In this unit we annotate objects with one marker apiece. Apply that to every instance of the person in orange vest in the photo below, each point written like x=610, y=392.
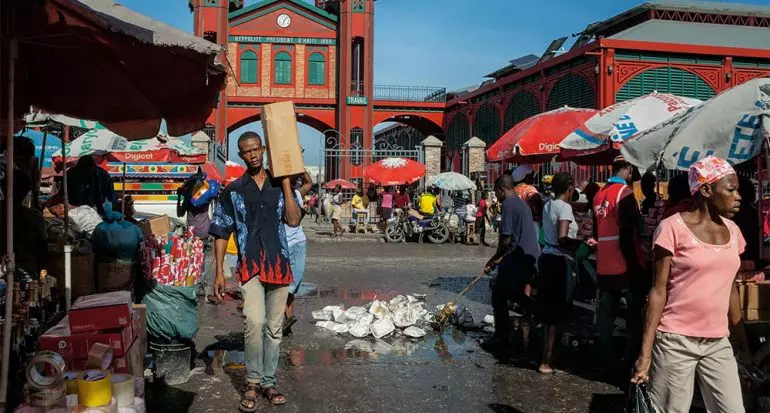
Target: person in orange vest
x=619, y=262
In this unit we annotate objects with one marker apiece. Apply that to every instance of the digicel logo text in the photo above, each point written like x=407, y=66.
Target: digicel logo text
x=139, y=156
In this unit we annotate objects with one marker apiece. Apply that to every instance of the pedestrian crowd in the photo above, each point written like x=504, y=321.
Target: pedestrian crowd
x=681, y=300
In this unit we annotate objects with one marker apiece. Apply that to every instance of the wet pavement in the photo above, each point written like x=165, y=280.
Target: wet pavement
x=442, y=372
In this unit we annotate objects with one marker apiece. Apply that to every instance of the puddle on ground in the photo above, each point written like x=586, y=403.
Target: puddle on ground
x=349, y=296
x=447, y=346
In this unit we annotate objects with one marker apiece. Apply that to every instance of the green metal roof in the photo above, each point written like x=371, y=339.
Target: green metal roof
x=704, y=34
x=713, y=7
x=299, y=3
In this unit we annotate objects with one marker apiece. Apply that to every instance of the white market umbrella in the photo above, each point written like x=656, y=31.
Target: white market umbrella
x=730, y=125
x=617, y=123
x=452, y=181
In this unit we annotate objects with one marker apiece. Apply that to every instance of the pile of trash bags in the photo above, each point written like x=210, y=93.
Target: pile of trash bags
x=405, y=314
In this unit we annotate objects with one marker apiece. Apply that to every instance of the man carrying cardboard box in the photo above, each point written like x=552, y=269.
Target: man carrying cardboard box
x=255, y=207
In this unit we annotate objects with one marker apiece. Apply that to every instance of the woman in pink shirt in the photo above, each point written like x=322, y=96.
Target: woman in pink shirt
x=694, y=300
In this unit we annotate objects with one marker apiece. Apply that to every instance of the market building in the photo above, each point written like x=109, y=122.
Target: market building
x=321, y=57
x=695, y=49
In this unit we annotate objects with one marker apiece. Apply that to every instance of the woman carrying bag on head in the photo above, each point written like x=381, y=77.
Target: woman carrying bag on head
x=694, y=301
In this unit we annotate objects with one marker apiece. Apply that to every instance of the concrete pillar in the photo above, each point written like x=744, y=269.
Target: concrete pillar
x=432, y=156
x=474, y=156
x=200, y=140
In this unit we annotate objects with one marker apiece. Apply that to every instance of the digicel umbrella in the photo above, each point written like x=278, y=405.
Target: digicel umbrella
x=233, y=171
x=536, y=139
x=600, y=137
x=732, y=125
x=108, y=147
x=394, y=171
x=341, y=182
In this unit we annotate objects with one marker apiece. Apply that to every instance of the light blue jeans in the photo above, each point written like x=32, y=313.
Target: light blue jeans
x=263, y=307
x=297, y=256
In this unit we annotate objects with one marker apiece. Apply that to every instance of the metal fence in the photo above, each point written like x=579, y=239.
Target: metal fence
x=401, y=93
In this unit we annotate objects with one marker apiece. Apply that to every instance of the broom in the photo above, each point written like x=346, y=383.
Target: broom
x=443, y=315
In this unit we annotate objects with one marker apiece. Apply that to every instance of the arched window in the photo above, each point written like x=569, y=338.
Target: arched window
x=282, y=75
x=316, y=69
x=249, y=67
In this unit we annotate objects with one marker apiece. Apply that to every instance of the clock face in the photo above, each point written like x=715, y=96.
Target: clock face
x=284, y=20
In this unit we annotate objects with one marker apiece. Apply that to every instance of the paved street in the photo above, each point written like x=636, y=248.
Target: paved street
x=445, y=372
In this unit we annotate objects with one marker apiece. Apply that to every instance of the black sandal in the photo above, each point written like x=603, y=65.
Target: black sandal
x=274, y=396
x=250, y=400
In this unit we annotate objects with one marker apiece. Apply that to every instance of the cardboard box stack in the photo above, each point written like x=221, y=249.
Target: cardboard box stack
x=755, y=299
x=107, y=319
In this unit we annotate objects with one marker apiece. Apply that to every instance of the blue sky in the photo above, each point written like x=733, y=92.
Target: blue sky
x=448, y=43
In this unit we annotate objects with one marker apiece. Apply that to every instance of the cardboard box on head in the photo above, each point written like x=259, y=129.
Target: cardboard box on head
x=284, y=153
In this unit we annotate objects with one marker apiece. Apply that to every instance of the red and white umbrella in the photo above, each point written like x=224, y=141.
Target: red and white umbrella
x=604, y=132
x=233, y=171
x=341, y=182
x=394, y=171
x=536, y=139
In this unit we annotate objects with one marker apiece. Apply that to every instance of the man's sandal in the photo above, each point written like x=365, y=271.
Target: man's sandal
x=249, y=401
x=274, y=396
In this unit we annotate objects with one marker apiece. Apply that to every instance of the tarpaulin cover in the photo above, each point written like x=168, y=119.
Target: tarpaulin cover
x=172, y=312
x=96, y=59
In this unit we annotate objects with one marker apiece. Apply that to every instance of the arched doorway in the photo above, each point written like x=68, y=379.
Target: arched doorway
x=666, y=80
x=486, y=123
x=572, y=90
x=457, y=134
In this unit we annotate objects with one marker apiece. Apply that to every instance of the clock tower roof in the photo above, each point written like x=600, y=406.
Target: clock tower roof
x=305, y=8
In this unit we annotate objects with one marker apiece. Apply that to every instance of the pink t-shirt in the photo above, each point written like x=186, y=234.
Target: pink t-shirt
x=701, y=279
x=387, y=200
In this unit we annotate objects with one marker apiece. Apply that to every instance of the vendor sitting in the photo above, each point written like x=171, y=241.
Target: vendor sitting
x=30, y=237
x=358, y=203
x=88, y=184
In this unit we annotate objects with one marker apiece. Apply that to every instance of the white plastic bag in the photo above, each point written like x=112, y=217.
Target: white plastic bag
x=414, y=332
x=85, y=217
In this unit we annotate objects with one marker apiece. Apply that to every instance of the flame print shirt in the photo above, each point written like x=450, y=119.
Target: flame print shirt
x=256, y=217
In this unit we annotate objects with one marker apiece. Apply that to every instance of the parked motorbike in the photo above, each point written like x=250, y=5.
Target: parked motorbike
x=403, y=225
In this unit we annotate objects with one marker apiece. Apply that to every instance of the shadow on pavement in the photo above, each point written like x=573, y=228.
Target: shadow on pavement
x=607, y=403
x=167, y=399
x=503, y=408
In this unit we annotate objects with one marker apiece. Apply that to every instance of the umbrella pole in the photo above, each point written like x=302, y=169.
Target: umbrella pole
x=123, y=195
x=67, y=247
x=9, y=228
x=40, y=168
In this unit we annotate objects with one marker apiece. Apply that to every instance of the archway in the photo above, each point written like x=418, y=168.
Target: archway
x=311, y=132
x=572, y=90
x=457, y=134
x=666, y=80
x=521, y=106
x=486, y=123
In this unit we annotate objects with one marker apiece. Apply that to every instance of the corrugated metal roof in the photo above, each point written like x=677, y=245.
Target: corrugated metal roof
x=704, y=34
x=710, y=7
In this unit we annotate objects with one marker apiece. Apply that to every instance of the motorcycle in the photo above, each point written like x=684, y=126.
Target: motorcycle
x=403, y=225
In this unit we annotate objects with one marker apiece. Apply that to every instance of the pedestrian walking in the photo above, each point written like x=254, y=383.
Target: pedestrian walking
x=336, y=211
x=481, y=220
x=515, y=260
x=694, y=302
x=255, y=207
x=556, y=278
x=296, y=242
x=619, y=263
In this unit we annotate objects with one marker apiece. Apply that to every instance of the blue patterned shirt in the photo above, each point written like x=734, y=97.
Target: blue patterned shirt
x=256, y=217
